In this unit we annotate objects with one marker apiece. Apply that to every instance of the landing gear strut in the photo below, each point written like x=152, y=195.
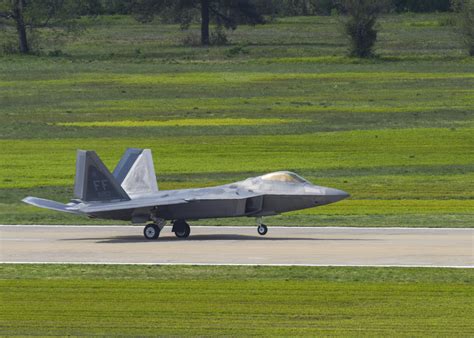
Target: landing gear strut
x=262, y=228
x=181, y=229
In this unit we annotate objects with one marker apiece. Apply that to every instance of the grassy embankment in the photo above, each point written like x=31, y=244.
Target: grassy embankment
x=396, y=132
x=179, y=300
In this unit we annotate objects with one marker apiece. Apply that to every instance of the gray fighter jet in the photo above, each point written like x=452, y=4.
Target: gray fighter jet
x=131, y=193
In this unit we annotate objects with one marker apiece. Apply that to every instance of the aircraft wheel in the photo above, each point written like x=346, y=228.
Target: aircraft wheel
x=151, y=231
x=262, y=229
x=184, y=233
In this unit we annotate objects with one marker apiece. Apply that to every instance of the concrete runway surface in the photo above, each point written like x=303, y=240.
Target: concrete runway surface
x=239, y=245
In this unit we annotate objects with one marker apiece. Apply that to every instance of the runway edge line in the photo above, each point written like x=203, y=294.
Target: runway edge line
x=250, y=264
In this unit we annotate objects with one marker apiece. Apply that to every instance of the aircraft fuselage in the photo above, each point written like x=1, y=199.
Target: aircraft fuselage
x=231, y=200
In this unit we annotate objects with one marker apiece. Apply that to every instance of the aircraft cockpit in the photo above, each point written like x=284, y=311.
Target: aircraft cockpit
x=284, y=176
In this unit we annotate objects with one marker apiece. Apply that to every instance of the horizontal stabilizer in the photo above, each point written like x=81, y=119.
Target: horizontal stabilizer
x=48, y=204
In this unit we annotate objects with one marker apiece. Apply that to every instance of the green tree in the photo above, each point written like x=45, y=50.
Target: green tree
x=465, y=10
x=227, y=13
x=359, y=19
x=27, y=15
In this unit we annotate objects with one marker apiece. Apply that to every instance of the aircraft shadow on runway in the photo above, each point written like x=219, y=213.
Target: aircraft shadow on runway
x=216, y=237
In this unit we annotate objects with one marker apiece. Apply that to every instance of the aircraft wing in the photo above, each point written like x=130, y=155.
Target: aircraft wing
x=99, y=206
x=162, y=201
x=132, y=204
x=139, y=203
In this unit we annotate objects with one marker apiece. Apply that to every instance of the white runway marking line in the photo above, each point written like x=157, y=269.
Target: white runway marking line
x=21, y=239
x=249, y=264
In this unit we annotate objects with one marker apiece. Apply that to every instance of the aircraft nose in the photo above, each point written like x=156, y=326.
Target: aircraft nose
x=335, y=194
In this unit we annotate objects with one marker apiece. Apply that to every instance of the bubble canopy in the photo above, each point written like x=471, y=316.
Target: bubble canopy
x=284, y=176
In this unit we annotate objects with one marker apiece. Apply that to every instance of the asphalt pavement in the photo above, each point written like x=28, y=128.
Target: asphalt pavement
x=239, y=245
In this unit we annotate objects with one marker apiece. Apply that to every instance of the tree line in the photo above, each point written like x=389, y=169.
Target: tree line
x=282, y=7
x=358, y=16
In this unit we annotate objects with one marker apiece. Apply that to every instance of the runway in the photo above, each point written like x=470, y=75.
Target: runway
x=239, y=245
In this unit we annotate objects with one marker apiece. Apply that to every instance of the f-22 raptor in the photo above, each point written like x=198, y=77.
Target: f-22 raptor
x=131, y=193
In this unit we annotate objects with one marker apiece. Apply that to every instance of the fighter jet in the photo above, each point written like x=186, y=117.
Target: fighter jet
x=131, y=193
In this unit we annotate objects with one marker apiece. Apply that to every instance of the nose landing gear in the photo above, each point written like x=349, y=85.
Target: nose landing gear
x=262, y=228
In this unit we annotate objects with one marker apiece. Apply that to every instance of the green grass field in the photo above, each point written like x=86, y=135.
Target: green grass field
x=186, y=300
x=395, y=131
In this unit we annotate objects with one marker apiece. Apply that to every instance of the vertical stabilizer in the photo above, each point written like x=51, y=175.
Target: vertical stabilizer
x=94, y=182
x=136, y=173
x=126, y=163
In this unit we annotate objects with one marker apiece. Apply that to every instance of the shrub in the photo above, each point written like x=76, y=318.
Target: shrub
x=9, y=48
x=359, y=19
x=56, y=53
x=191, y=39
x=465, y=10
x=234, y=51
x=218, y=37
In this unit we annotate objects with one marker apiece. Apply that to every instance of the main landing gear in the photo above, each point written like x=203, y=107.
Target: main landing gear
x=181, y=229
x=262, y=228
x=152, y=230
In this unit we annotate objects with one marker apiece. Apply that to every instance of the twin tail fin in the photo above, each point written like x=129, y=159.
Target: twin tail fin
x=94, y=182
x=133, y=175
x=136, y=173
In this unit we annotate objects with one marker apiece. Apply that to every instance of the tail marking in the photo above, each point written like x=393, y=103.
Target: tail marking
x=94, y=182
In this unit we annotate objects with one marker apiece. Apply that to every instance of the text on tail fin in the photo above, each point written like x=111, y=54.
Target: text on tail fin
x=94, y=182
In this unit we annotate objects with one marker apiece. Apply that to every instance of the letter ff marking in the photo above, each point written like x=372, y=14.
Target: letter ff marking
x=100, y=185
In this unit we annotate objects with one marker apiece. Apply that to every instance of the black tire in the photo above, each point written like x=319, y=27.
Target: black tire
x=151, y=231
x=184, y=233
x=262, y=229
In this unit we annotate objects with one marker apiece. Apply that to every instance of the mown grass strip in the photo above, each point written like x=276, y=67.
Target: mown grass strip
x=28, y=163
x=233, y=308
x=232, y=77
x=180, y=123
x=265, y=106
x=186, y=272
x=87, y=300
